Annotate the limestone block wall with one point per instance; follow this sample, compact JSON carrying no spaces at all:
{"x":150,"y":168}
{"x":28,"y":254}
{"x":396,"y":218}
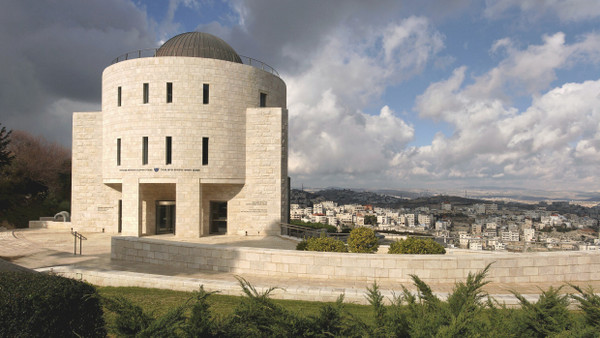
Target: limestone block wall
{"x":564,"y":266}
{"x":261,"y":205}
{"x":188,"y":208}
{"x":50,"y":225}
{"x":233,"y":88}
{"x":93,"y":204}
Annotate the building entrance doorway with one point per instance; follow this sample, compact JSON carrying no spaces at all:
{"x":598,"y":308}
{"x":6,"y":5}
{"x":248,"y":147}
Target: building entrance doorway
{"x":165,"y":217}
{"x":218,"y":218}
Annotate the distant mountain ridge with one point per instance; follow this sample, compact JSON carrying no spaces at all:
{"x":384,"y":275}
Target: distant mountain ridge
{"x":388,"y":199}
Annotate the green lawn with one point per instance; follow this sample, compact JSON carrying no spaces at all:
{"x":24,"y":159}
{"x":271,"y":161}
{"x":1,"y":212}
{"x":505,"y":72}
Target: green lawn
{"x":159,"y":301}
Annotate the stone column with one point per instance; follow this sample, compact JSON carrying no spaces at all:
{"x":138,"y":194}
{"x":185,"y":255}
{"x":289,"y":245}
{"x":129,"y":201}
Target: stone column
{"x":188,"y":207}
{"x":131,"y":207}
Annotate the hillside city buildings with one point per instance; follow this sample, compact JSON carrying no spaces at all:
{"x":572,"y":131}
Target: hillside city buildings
{"x":481,"y":226}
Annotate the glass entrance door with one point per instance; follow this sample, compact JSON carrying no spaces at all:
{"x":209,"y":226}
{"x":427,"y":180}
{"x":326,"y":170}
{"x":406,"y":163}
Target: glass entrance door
{"x":218,"y":217}
{"x":165,"y":217}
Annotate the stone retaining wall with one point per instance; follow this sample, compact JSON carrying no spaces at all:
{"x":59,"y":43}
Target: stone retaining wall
{"x":50,"y":225}
{"x":308,"y":291}
{"x":563,"y":266}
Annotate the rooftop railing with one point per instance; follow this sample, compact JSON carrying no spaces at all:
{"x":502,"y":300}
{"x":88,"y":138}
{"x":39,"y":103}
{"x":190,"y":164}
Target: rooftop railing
{"x":258,"y":64}
{"x":151,"y":52}
{"x":136,"y":54}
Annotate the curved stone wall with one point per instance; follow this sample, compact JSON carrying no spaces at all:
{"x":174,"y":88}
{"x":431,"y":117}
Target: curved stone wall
{"x":233,"y":88}
{"x":563,"y":266}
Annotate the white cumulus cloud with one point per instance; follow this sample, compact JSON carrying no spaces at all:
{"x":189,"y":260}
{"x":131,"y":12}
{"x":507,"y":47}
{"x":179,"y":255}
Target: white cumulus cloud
{"x":330,"y":132}
{"x":555,"y":139}
{"x":565,"y":10}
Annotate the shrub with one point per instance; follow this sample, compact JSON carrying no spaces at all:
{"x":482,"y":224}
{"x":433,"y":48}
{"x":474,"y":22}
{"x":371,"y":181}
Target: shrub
{"x":326,"y":244}
{"x":201,"y":322}
{"x":41,"y":305}
{"x":363,"y":240}
{"x":589,"y":304}
{"x":413,"y":245}
{"x":132,"y":321}
{"x":302,"y":245}
{"x":546,"y":317}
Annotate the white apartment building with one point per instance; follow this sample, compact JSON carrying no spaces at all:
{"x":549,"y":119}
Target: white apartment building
{"x":383,"y":220}
{"x":409,"y":220}
{"x":319,"y":218}
{"x":529,"y":235}
{"x":425,"y":220}
{"x":510,"y":236}
{"x":442,"y":225}
{"x":475,"y":244}
{"x":329,"y":205}
{"x":318,"y":208}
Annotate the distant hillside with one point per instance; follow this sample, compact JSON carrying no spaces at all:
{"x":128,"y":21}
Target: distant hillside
{"x":347,"y":196}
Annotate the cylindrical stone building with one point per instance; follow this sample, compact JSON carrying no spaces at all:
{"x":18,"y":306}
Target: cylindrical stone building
{"x":190,"y":141}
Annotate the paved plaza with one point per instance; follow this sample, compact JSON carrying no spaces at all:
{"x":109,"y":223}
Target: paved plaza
{"x":52,"y":250}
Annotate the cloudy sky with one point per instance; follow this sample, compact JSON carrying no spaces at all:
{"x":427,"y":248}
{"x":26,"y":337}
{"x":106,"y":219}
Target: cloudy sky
{"x":382,"y":94}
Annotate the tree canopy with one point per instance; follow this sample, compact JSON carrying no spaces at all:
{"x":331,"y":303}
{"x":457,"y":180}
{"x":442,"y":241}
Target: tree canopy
{"x":5,"y":154}
{"x":36,"y":181}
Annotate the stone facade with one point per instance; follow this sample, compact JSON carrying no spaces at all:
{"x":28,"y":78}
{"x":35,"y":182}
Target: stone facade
{"x":246,"y":171}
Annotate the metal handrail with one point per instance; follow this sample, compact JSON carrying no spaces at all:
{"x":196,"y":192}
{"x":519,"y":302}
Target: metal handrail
{"x":136,"y":54}
{"x":303,"y":232}
{"x":258,"y":64}
{"x":80,"y":237}
{"x":151,"y":52}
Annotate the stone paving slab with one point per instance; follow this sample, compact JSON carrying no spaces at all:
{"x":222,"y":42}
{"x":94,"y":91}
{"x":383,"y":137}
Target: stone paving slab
{"x":52,"y":250}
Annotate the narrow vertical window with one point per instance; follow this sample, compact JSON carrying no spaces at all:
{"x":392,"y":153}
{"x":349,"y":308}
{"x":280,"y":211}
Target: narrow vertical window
{"x":204,"y":150}
{"x":145,"y":150}
{"x":169,"y":92}
{"x":263,"y":99}
{"x":205,"y":93}
{"x":168,"y":150}
{"x":119,"y":96}
{"x":119,"y":151}
{"x":146,"y":94}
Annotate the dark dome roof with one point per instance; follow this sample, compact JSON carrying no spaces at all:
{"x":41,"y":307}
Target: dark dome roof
{"x":197,"y":44}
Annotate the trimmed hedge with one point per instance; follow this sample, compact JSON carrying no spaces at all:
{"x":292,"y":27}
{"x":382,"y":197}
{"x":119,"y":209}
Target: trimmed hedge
{"x":413,"y":245}
{"x":41,"y":305}
{"x":363,"y":240}
{"x":323,"y":244}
